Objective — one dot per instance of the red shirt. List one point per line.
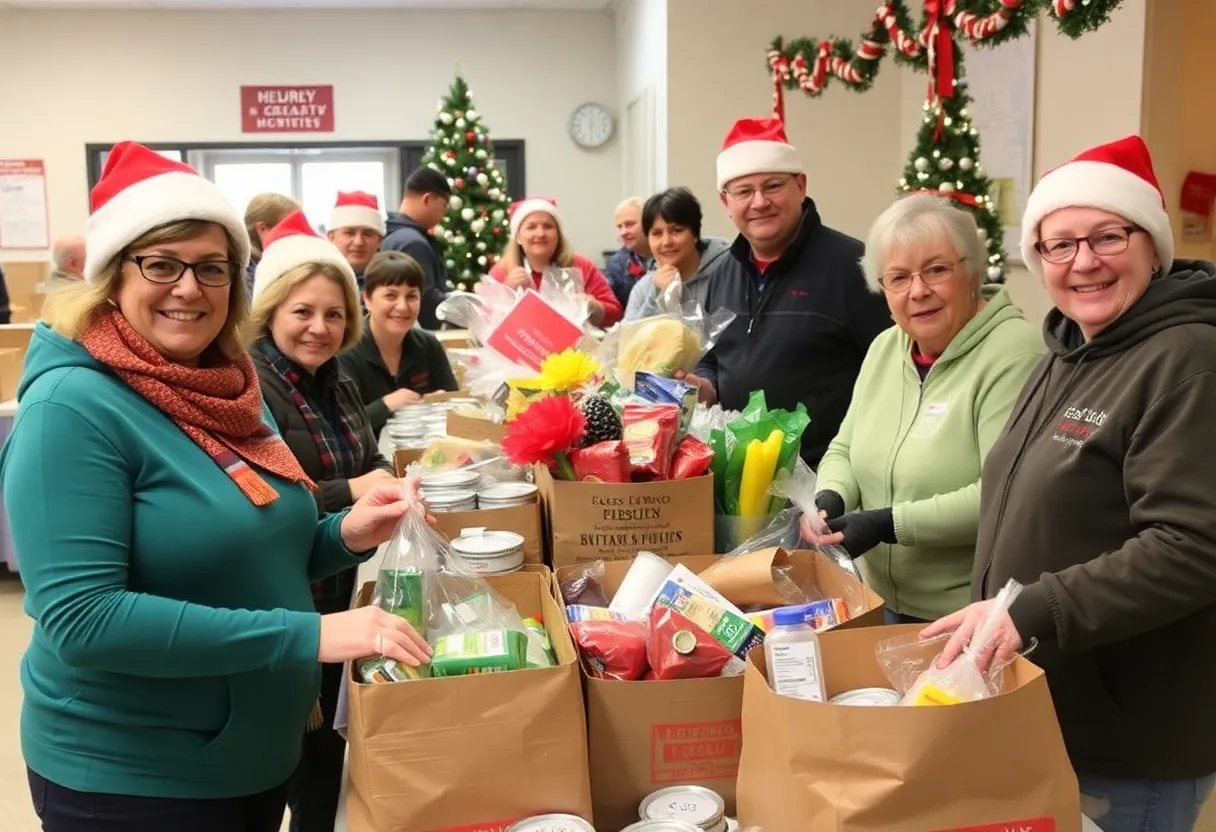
(593, 280)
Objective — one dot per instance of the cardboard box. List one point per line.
(10, 373)
(479, 430)
(17, 337)
(523, 520)
(613, 521)
(20, 278)
(644, 736)
(472, 752)
(405, 457)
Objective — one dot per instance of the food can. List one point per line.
(552, 823)
(869, 697)
(507, 495)
(662, 825)
(490, 552)
(461, 479)
(450, 500)
(697, 805)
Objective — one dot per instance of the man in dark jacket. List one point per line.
(425, 203)
(805, 317)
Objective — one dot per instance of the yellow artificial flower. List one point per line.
(568, 370)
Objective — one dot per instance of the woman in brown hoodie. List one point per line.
(1100, 496)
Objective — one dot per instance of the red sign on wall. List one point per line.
(287, 109)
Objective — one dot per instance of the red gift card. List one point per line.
(533, 331)
(1032, 825)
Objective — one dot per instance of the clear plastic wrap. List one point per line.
(799, 487)
(583, 584)
(910, 663)
(705, 420)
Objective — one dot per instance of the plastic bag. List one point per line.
(613, 650)
(583, 584)
(799, 487)
(748, 450)
(677, 648)
(910, 663)
(447, 453)
(705, 420)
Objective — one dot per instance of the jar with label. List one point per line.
(795, 666)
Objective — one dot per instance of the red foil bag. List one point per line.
(613, 650)
(651, 434)
(693, 458)
(602, 462)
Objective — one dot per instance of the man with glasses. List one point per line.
(805, 317)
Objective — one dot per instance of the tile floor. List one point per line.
(14, 793)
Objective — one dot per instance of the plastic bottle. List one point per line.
(795, 668)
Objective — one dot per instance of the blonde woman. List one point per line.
(537, 244)
(305, 310)
(167, 536)
(263, 213)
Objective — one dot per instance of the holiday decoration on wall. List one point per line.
(946, 159)
(475, 230)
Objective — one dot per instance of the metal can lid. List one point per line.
(552, 823)
(684, 642)
(449, 497)
(480, 543)
(662, 825)
(694, 804)
(443, 480)
(503, 491)
(869, 697)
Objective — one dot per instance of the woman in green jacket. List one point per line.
(166, 534)
(900, 483)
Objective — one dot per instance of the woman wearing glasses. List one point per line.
(166, 534)
(900, 482)
(1100, 496)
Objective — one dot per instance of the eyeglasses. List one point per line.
(157, 268)
(897, 282)
(746, 193)
(1104, 242)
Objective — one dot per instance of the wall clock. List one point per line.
(591, 125)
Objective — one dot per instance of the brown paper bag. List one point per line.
(644, 736)
(613, 521)
(747, 580)
(473, 752)
(988, 766)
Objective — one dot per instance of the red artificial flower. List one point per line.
(546, 432)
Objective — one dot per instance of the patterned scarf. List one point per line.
(338, 444)
(220, 408)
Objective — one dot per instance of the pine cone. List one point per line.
(603, 422)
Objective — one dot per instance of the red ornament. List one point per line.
(496, 230)
(470, 137)
(458, 184)
(545, 433)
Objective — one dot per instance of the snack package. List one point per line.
(651, 434)
(690, 596)
(582, 612)
(658, 389)
(613, 650)
(479, 651)
(378, 670)
(692, 459)
(583, 584)
(678, 648)
(602, 462)
(910, 663)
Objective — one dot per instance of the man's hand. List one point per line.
(706, 392)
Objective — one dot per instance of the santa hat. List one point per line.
(1116, 177)
(356, 209)
(756, 145)
(140, 190)
(522, 209)
(291, 243)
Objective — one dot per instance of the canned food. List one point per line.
(869, 697)
(507, 495)
(461, 479)
(490, 552)
(552, 823)
(697, 805)
(450, 500)
(662, 825)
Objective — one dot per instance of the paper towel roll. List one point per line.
(641, 585)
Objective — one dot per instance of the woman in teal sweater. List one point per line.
(932, 396)
(167, 536)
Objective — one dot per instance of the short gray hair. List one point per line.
(632, 202)
(918, 219)
(64, 249)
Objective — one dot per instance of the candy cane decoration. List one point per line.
(1063, 7)
(978, 28)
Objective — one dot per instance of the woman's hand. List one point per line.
(663, 276)
(519, 278)
(595, 311)
(401, 397)
(361, 485)
(1006, 641)
(370, 631)
(374, 517)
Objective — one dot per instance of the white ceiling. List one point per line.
(584, 5)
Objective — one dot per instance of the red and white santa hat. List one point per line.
(291, 243)
(1117, 177)
(356, 209)
(756, 145)
(140, 190)
(524, 208)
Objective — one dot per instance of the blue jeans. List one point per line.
(890, 616)
(1144, 805)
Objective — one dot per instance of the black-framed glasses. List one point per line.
(746, 193)
(1105, 241)
(897, 282)
(158, 268)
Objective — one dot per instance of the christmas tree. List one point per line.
(945, 161)
(476, 229)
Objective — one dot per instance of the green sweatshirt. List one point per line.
(919, 447)
(175, 644)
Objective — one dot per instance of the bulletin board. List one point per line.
(1001, 82)
(24, 222)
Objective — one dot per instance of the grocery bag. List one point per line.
(986, 766)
